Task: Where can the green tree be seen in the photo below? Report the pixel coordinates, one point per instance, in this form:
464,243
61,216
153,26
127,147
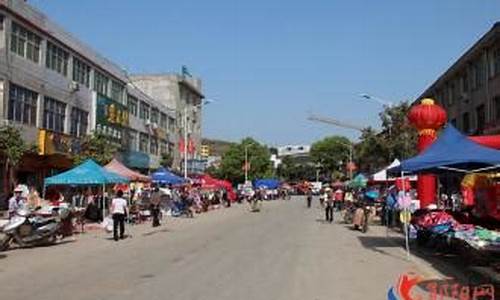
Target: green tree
331,153
397,139
296,169
233,161
371,153
12,149
397,132
166,160
97,147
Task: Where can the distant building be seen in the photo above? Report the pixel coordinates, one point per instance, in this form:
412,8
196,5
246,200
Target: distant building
294,150
183,95
469,90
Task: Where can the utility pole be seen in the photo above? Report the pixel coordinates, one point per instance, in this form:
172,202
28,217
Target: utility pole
246,163
185,143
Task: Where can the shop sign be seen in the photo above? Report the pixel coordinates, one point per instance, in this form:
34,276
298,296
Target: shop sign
111,113
57,143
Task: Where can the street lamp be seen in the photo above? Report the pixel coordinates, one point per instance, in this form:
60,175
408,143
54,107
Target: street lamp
382,102
206,102
246,161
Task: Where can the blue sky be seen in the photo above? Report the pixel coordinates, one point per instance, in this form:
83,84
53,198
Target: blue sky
269,63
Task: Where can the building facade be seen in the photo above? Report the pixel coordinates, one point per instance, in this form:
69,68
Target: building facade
469,90
57,90
181,93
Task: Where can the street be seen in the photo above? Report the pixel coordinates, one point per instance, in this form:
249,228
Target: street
284,252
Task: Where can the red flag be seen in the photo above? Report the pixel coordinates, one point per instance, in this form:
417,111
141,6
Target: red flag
182,145
191,146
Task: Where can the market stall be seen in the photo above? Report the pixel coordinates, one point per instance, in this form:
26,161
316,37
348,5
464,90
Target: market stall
117,167
460,229
382,176
89,173
165,177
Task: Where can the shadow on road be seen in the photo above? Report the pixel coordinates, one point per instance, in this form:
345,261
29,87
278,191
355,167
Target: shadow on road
2,256
155,232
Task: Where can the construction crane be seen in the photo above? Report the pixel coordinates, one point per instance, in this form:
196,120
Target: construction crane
332,121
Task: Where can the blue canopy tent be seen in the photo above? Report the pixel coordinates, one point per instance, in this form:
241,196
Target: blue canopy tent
87,173
452,151
269,183
164,176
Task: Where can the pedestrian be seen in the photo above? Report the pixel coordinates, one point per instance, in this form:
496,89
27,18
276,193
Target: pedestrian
16,202
330,202
309,197
155,206
119,211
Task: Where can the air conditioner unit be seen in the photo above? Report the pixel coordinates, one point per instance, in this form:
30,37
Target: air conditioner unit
74,86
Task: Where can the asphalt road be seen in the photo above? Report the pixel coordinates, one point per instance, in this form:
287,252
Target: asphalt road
284,252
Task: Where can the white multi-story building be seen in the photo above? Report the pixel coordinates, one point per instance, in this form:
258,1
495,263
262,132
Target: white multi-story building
56,90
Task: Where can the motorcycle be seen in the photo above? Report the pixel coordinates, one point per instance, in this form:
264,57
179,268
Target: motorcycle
255,205
28,230
180,209
362,218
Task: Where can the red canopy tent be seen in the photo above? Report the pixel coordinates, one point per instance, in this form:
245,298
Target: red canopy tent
208,182
117,167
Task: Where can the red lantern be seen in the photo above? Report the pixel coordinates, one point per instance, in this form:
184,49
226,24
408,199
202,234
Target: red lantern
427,117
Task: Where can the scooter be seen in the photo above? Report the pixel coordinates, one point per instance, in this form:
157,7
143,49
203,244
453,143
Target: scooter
27,230
255,204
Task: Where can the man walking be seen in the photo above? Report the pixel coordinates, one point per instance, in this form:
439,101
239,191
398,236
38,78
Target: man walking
119,211
155,206
329,208
309,197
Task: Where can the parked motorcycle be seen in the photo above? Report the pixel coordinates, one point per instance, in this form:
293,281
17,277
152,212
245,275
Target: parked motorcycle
28,230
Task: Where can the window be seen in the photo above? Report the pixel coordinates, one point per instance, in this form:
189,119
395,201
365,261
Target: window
481,117
154,146
57,59
497,108
143,143
171,124
53,114
479,74
22,105
101,83
132,105
163,147
25,43
79,122
117,92
154,115
81,72
496,58
466,123
448,95
163,121
132,140
465,82
144,111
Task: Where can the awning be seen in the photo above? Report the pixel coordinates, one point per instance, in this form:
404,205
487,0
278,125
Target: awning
87,173
119,168
452,151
